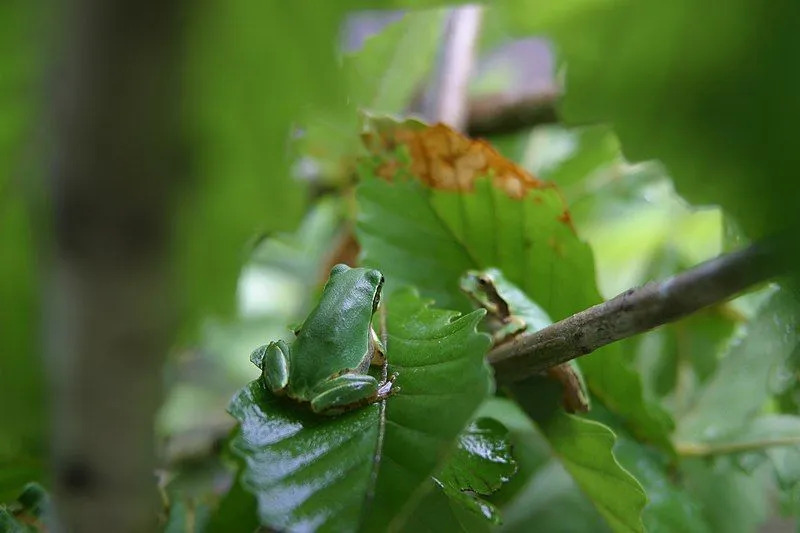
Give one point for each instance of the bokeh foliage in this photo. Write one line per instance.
(697, 96)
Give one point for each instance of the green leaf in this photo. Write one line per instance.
(774, 437)
(241, 102)
(22, 380)
(572, 157)
(480, 464)
(362, 468)
(29, 513)
(391, 67)
(585, 449)
(428, 238)
(9, 524)
(669, 507)
(443, 511)
(740, 386)
(482, 460)
(730, 499)
(237, 511)
(700, 104)
(542, 492)
(187, 517)
(616, 383)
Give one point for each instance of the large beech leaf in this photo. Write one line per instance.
(361, 469)
(433, 204)
(668, 507)
(585, 449)
(582, 448)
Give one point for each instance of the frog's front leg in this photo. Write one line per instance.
(347, 392)
(575, 397)
(273, 358)
(512, 326)
(378, 350)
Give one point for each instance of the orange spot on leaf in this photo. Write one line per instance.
(443, 158)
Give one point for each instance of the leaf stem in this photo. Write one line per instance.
(376, 459)
(701, 449)
(636, 311)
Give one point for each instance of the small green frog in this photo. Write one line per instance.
(510, 312)
(327, 363)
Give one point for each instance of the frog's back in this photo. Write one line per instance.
(336, 335)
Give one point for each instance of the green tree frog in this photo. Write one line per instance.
(509, 313)
(327, 362)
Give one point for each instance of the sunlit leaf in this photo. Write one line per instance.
(360, 469)
(433, 204)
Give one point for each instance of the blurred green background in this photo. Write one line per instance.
(674, 145)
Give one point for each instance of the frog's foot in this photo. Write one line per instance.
(275, 367)
(388, 388)
(512, 326)
(351, 391)
(344, 393)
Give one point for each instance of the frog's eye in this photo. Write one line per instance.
(337, 269)
(483, 281)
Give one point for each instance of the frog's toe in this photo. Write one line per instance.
(276, 367)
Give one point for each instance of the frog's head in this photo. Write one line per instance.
(369, 276)
(481, 287)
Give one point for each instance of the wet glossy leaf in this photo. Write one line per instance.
(479, 465)
(482, 460)
(440, 511)
(359, 468)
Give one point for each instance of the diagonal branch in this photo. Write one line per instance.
(636, 311)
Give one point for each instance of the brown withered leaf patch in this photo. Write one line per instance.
(443, 158)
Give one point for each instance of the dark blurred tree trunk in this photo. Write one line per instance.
(116, 142)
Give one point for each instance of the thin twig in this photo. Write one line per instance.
(636, 311)
(702, 449)
(448, 97)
